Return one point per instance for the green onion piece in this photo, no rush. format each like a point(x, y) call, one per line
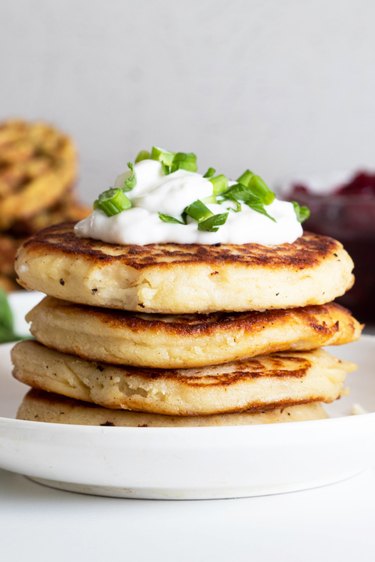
point(210, 172)
point(237, 206)
point(220, 184)
point(184, 161)
point(112, 202)
point(162, 156)
point(256, 186)
point(198, 211)
point(239, 192)
point(245, 178)
point(259, 208)
point(260, 188)
point(212, 224)
point(168, 218)
point(142, 155)
point(301, 211)
point(131, 181)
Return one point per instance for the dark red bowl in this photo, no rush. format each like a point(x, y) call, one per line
point(348, 214)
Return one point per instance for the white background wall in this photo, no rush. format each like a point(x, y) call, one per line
point(283, 87)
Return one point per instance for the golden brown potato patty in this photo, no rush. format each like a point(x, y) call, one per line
point(46, 407)
point(271, 381)
point(182, 341)
point(178, 278)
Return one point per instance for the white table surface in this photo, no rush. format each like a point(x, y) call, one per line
point(334, 523)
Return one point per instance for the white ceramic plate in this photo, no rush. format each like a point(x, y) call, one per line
point(192, 463)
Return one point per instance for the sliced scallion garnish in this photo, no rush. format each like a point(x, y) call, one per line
point(170, 161)
point(245, 178)
point(130, 181)
point(168, 218)
point(256, 186)
point(198, 211)
point(239, 192)
point(210, 172)
point(259, 208)
point(142, 155)
point(213, 223)
point(220, 184)
point(184, 161)
point(163, 156)
point(301, 211)
point(237, 206)
point(112, 202)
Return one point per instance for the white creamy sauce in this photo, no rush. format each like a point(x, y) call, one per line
point(170, 194)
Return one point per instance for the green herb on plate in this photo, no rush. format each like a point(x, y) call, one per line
point(7, 333)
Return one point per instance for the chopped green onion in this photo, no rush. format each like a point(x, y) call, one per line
point(210, 172)
point(301, 211)
point(245, 178)
point(212, 223)
point(198, 211)
point(168, 218)
point(112, 202)
point(171, 161)
point(162, 156)
point(239, 192)
point(237, 206)
point(259, 208)
point(184, 161)
point(220, 184)
point(261, 189)
point(257, 187)
point(130, 181)
point(142, 155)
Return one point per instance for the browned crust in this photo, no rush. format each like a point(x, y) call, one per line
point(239, 372)
point(252, 407)
point(306, 252)
point(317, 317)
point(258, 408)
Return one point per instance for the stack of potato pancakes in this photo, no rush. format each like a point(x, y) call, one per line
point(38, 170)
point(172, 334)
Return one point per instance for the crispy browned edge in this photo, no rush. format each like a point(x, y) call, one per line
point(308, 251)
point(314, 316)
point(50, 397)
point(240, 369)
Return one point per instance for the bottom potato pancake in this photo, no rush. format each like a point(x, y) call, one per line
point(46, 407)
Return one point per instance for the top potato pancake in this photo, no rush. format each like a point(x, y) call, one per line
point(184, 278)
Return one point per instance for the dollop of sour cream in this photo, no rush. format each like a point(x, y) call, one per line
point(156, 193)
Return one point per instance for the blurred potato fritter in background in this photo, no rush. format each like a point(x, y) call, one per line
point(38, 172)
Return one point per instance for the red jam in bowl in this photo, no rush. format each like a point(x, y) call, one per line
point(347, 213)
